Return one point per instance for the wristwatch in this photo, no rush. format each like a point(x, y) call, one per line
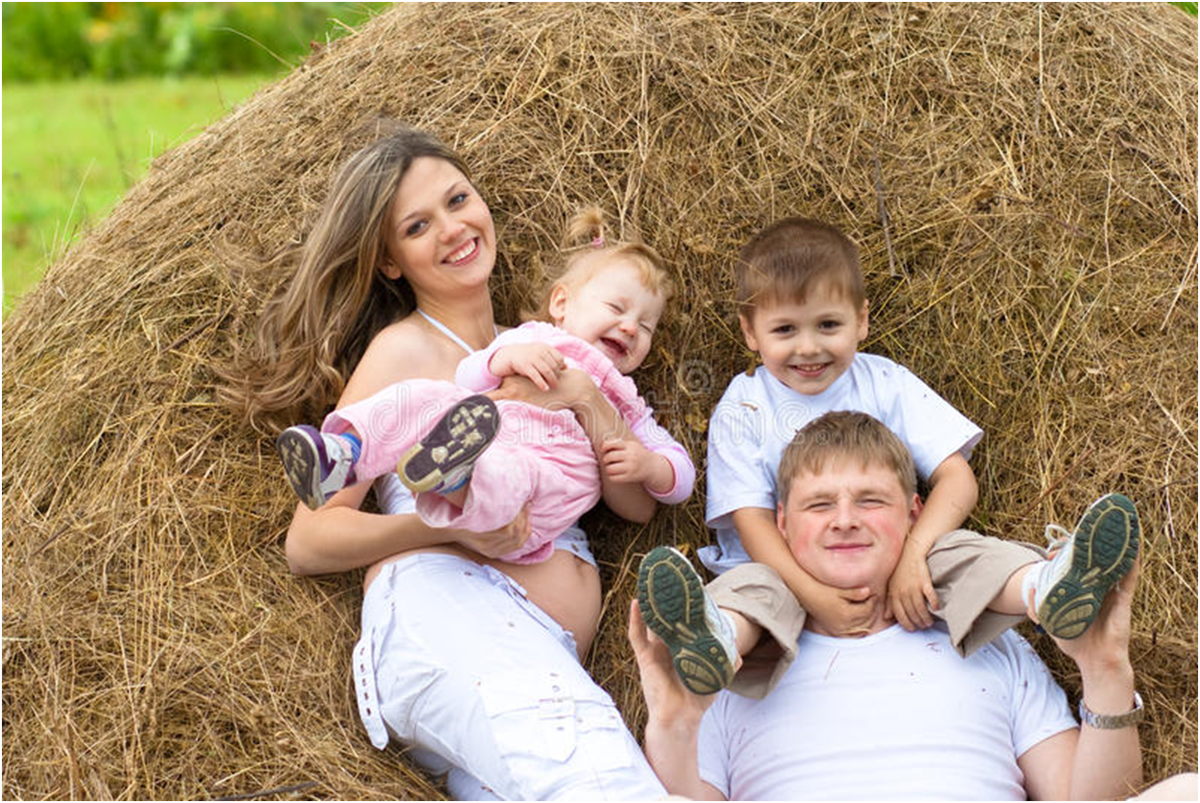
point(1108, 722)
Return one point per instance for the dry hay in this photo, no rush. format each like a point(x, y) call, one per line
point(1037, 165)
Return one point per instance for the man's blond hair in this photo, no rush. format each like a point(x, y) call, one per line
point(841, 436)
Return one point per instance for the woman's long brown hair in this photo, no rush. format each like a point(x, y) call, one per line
point(311, 335)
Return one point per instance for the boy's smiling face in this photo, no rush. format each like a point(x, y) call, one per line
point(807, 344)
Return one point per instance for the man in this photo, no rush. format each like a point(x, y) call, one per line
point(893, 714)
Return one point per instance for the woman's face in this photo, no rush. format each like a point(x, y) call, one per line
point(439, 233)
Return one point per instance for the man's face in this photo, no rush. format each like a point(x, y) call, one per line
point(846, 526)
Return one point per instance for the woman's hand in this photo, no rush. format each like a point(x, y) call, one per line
point(500, 542)
point(572, 391)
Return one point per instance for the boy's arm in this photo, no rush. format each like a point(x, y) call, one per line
point(953, 491)
point(842, 612)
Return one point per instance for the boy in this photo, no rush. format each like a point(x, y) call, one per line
point(804, 311)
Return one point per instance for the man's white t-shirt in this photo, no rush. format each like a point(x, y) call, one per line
point(895, 715)
point(758, 416)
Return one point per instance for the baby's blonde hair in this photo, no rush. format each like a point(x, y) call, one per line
point(590, 251)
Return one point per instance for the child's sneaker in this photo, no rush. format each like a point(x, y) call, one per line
point(443, 459)
point(1069, 588)
point(317, 464)
point(700, 637)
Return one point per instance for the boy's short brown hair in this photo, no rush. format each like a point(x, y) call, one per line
point(845, 435)
point(784, 261)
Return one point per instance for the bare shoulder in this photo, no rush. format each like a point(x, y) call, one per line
point(400, 351)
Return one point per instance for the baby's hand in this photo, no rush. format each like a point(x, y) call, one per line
point(627, 460)
point(630, 461)
point(910, 590)
point(537, 361)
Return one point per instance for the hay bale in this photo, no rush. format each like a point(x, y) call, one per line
point(1038, 267)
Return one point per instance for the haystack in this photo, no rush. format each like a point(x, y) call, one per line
point(1022, 181)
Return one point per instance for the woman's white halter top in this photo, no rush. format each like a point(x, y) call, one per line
point(441, 327)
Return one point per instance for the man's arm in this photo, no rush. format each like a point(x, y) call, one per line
point(1091, 763)
point(841, 611)
point(673, 724)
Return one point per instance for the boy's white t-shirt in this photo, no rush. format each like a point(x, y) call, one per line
point(891, 716)
point(758, 416)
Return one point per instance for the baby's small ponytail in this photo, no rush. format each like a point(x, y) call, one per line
point(588, 246)
point(588, 226)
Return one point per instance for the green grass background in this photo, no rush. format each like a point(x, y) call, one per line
point(73, 148)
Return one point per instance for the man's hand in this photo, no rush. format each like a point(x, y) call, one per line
point(1105, 645)
point(673, 715)
point(540, 363)
point(496, 543)
point(667, 699)
point(910, 592)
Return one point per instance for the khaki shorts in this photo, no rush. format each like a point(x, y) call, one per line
point(968, 571)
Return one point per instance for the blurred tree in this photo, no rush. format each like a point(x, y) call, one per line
point(48, 41)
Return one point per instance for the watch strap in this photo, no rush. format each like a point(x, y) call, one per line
point(1112, 721)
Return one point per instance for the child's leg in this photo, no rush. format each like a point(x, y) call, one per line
point(444, 459)
point(715, 634)
point(1067, 590)
point(674, 605)
point(362, 440)
point(970, 572)
point(1009, 600)
point(768, 619)
point(984, 583)
point(316, 464)
point(391, 421)
point(558, 478)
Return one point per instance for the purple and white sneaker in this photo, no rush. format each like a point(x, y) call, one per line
point(317, 464)
point(442, 461)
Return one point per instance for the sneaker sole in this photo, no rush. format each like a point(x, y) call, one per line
point(454, 443)
point(671, 599)
point(300, 460)
point(1106, 545)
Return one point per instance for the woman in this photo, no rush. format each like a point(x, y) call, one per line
point(472, 661)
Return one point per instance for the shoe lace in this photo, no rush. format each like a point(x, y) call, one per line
point(1056, 537)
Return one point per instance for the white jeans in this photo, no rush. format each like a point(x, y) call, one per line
point(455, 661)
